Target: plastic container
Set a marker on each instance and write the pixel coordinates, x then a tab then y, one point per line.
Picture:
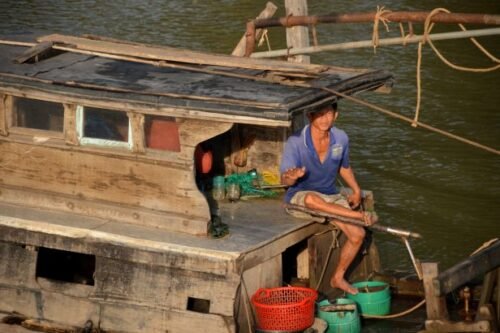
284	309
218	189
376	302
233	191
340	321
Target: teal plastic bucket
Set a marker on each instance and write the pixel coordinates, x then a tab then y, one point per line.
340	321
373	298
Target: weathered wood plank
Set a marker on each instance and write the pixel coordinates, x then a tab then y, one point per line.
112	180
268	12
133	318
137	126
298	36
35	52
319	246
70	133
179	55
470	268
3	115
276	246
135	106
160	287
268	274
108	242
62	311
18	265
436	305
134	215
460	326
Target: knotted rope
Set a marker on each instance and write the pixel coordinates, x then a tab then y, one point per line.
379	18
427	29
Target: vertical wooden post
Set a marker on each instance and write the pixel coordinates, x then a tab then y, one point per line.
298	36
137	125
70	133
3	115
436	305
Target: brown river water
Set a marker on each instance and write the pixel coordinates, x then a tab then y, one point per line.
445	190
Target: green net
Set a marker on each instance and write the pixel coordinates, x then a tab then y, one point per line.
249	183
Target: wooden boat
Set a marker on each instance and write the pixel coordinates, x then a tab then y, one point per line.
104	225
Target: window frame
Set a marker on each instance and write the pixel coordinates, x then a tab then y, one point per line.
86	141
10	118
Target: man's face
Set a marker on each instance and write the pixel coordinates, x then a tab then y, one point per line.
323	120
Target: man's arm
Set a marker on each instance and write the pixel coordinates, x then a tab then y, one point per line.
347	175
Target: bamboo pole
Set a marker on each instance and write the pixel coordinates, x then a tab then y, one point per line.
382	42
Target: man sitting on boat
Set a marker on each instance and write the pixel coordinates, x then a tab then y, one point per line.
311	161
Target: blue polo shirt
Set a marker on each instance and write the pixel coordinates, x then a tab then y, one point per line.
320	177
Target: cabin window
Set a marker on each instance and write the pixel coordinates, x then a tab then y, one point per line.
162	133
103	127
198	305
38	114
65	266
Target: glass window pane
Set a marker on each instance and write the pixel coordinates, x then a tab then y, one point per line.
37	114
162	133
105	124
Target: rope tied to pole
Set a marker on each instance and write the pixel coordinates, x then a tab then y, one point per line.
425	39
379	18
405	37
265	38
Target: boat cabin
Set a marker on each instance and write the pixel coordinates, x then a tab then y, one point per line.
108	150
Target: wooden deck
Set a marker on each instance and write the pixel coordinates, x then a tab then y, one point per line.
253	226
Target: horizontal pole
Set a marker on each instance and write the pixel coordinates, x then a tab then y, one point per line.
469	269
328	216
401	16
381	42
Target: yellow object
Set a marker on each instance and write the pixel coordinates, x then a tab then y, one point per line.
270	178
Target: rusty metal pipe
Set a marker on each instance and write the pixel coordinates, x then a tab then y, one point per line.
413	17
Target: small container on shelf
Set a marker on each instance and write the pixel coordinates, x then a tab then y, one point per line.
218	188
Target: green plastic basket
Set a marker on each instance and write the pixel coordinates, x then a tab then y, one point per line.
372	302
340	321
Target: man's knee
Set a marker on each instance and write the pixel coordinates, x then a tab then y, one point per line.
357	235
310	200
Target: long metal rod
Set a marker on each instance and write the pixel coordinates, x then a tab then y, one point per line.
396	16
378	227
381	42
291	21
416	264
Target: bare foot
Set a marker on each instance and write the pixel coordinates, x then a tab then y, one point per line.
343	285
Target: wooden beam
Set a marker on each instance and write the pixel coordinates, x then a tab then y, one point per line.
36	52
472	267
460	326
131	105
268	12
137	126
436	305
177	55
3	115
70	133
